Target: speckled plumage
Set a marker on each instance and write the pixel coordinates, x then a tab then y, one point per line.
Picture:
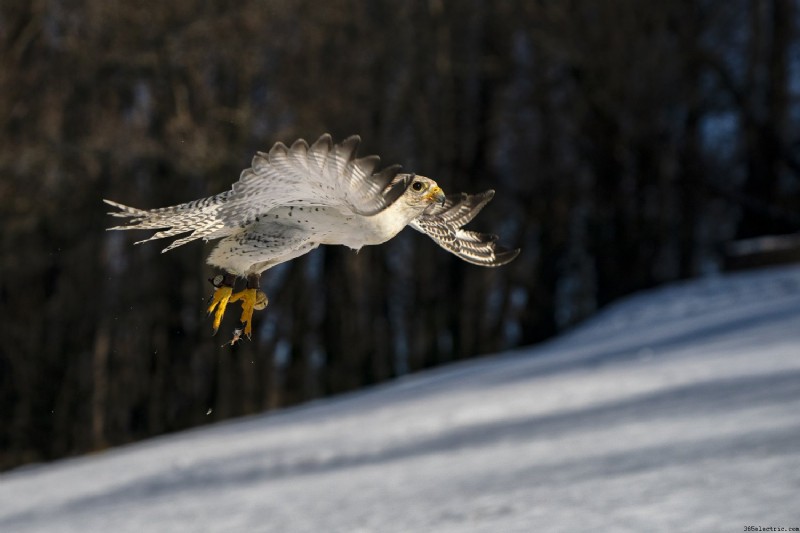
293	199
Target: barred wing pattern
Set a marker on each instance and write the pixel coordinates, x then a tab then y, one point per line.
443	224
322	174
294	199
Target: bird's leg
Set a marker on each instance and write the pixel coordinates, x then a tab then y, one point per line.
223	285
252	299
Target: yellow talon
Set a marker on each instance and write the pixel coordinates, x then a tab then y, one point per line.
220	301
251	299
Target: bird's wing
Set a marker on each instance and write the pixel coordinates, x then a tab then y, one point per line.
443	223
323	174
267	243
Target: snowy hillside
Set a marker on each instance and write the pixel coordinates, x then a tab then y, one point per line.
676	410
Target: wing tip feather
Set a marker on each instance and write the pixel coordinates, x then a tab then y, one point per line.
324	143
505	256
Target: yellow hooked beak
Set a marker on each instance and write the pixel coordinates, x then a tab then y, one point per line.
436	194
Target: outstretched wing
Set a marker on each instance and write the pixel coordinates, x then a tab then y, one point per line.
443	224
323	174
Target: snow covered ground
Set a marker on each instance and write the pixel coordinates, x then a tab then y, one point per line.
675	410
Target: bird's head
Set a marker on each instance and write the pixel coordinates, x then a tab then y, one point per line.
422	192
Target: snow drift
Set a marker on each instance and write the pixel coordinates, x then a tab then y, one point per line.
675	410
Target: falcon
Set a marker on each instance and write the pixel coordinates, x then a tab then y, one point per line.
293	199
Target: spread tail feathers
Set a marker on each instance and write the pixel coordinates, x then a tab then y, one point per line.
199	216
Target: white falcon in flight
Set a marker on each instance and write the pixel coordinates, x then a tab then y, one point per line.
294	199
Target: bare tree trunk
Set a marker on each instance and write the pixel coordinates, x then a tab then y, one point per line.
102	344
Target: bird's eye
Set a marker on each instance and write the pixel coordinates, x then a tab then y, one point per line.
417	185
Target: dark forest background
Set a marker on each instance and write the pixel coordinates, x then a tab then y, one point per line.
628	142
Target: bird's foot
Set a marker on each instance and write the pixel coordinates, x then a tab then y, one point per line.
252	299
222	295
